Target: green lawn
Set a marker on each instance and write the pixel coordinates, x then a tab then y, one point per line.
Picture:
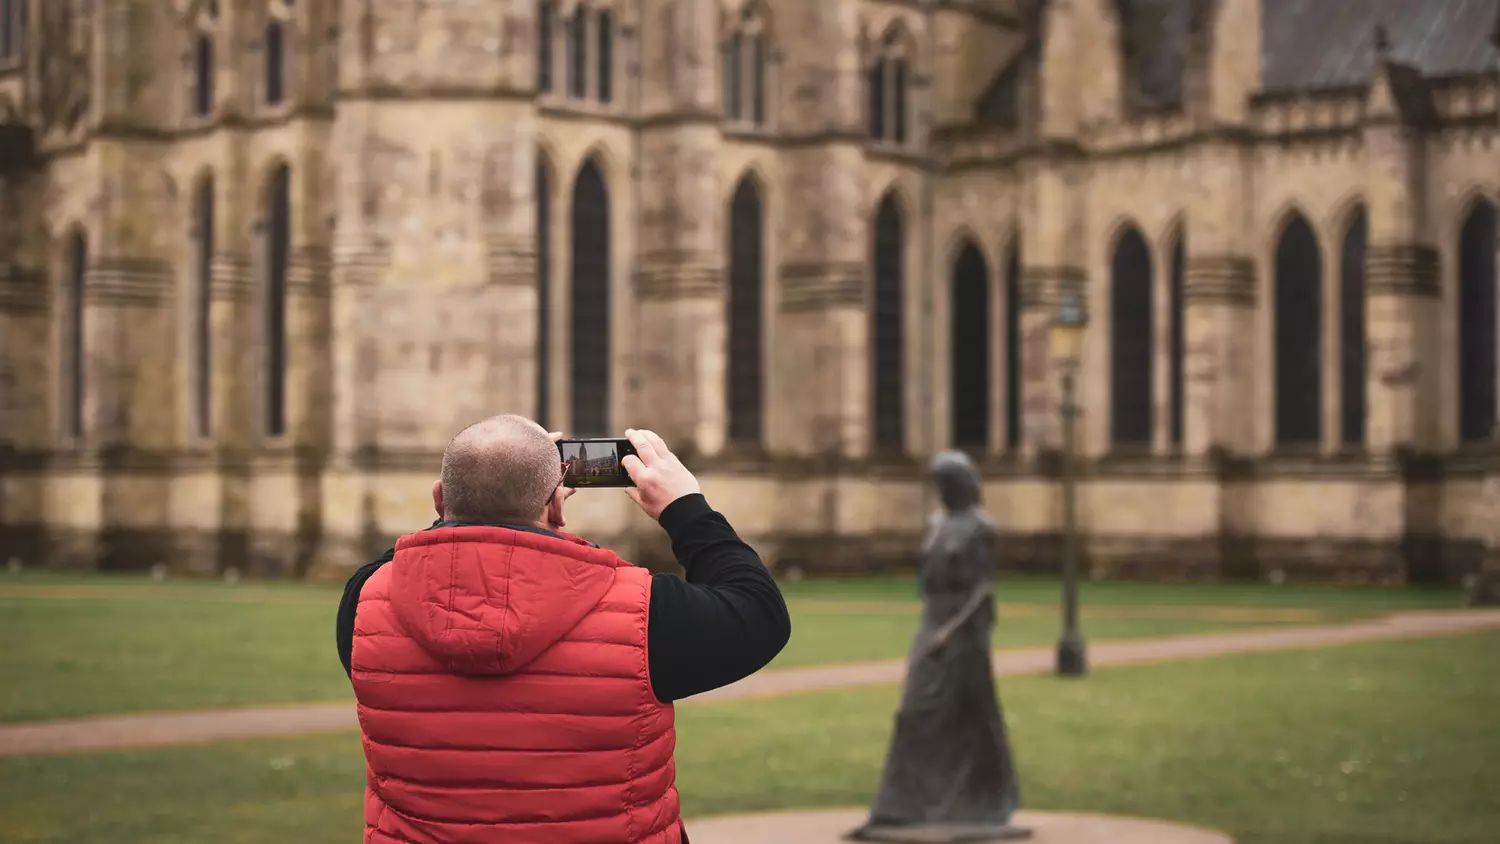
84	645
1387	743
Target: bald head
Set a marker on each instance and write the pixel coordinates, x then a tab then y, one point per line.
499	471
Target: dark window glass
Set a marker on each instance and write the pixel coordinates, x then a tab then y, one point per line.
203	237
544	17
578	54
590	329
887	336
78	263
1476	325
278	265
275	70
1298	315
1013	346
1130	340
746	304
758	80
9	36
1176	340
543	295
1352	333
732	83
606	21
875	85
898	101
203	76
969	365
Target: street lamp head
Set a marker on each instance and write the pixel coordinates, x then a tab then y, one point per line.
1067	330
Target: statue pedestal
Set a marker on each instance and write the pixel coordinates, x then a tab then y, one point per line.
828	827
940	833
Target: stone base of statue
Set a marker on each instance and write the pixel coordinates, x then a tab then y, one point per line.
939	833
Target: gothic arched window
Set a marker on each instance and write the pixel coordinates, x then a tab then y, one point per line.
1352	332
546	19
1131	341
604	68
1176	340
278	252
746	383
887	334
887	83
589	304
1012	339
578	52
77	267
969	349
543	293
1476	324
745	77
202	303
1298	343
275	68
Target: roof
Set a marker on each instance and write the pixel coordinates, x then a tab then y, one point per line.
1310	45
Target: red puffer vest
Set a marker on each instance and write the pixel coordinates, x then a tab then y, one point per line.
504	695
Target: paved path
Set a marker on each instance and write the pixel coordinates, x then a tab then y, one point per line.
828	827
158	729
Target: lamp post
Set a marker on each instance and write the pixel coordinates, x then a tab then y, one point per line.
1067	349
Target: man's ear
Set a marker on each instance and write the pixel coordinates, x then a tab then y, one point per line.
437	497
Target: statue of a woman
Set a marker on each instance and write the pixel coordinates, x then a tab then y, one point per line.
949	774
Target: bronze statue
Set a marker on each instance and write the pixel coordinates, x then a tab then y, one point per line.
949	775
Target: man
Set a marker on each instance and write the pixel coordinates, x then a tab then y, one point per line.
514	682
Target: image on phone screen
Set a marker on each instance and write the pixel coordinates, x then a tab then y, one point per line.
595	463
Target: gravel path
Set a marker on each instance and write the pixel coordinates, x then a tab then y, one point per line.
159	729
828	827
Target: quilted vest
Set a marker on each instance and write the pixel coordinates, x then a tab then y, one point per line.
504	695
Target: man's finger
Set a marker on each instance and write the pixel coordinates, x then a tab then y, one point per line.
632	465
658	443
643	445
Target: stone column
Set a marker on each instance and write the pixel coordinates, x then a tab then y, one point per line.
1219	302
1052	238
681	287
433	297
1401	284
130	342
822	350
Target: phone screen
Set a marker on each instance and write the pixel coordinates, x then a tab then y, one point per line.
595	463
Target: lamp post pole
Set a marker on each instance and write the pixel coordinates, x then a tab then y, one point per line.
1071	661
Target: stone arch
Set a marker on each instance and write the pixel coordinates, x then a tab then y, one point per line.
75	261
969	348
1352	356
1010	290
543	193
1476	322
589	306
887	332
1176	332
201	320
745	389
277	222
1131	339
1297	314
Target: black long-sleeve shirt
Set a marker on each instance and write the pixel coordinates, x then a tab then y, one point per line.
726	621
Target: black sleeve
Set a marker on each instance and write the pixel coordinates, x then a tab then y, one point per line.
726	621
343	632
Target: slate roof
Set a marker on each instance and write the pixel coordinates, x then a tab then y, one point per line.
1311	45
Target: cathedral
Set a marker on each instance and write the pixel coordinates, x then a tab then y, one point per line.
260	259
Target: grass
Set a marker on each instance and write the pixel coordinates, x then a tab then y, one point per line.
1384	742
88	645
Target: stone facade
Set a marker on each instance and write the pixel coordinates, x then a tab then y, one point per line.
259	259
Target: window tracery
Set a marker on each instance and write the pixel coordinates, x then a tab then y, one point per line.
745	76
888	83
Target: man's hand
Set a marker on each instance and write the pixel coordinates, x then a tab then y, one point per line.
552	517
660	478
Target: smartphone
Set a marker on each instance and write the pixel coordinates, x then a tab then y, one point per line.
595	463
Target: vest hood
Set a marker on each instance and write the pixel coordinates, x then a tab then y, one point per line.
489	600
